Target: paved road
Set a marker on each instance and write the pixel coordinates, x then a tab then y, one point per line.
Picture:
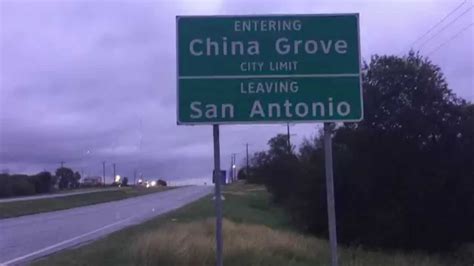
57	195
25	238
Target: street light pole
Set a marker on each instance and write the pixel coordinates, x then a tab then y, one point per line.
103	172
232	167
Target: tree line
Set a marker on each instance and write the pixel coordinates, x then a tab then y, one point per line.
404	176
43	182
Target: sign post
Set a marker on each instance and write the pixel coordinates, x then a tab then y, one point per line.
330	192
217	194
269	69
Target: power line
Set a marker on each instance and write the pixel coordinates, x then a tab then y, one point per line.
445	27
439	22
450	39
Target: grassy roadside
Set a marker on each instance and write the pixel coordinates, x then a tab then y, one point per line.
57	193
255	233
19	208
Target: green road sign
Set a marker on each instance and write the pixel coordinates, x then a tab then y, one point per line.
268	69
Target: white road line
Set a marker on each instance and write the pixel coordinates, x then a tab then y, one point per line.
65	242
272	76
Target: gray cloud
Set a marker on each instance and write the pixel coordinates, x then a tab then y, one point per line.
88	81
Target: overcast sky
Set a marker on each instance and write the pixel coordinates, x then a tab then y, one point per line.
91	81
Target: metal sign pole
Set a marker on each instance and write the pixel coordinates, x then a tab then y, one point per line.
330	192
217	192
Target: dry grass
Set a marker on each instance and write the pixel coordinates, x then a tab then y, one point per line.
240	188
257	233
193	243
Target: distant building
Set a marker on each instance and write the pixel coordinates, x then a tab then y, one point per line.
92	181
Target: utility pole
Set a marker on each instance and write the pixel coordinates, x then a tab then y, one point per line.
103	172
247	151
134	176
232	167
114	171
288	135
62	164
231	172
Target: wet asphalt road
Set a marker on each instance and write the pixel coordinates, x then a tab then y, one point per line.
25	238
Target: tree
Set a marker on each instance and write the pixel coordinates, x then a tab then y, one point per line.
403	176
412	156
54	181
21	185
6	189
125	182
66	177
277	168
259	162
278	147
42	182
241	175
75	180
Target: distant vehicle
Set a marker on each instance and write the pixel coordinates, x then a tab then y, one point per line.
148	183
152	183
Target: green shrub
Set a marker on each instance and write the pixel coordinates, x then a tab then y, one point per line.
22	187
